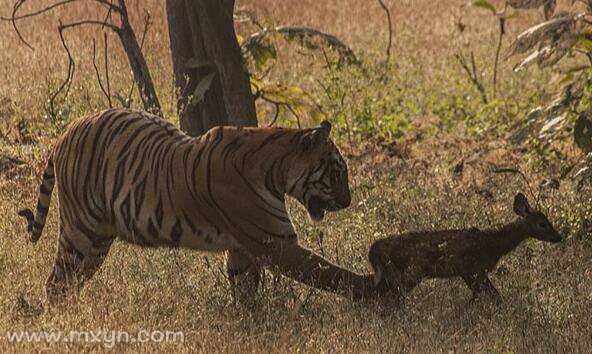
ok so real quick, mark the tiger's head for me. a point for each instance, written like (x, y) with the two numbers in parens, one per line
(318, 178)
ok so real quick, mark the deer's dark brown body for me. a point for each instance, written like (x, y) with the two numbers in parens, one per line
(401, 262)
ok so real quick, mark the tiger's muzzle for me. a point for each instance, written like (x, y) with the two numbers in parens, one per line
(317, 206)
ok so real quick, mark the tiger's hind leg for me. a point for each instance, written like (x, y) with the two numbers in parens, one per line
(77, 260)
(244, 274)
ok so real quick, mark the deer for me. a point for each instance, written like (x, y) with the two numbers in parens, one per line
(402, 262)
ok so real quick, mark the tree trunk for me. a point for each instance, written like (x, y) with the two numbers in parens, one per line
(203, 31)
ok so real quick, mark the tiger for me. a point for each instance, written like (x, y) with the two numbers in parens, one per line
(130, 175)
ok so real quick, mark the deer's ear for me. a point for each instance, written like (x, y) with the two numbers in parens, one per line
(316, 137)
(521, 205)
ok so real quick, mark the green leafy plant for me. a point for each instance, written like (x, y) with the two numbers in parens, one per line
(261, 50)
(564, 42)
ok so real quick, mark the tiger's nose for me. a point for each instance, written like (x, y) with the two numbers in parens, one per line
(345, 200)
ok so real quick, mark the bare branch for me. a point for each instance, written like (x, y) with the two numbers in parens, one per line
(147, 24)
(34, 13)
(524, 178)
(67, 82)
(473, 75)
(109, 4)
(17, 5)
(13, 18)
(108, 17)
(107, 71)
(390, 30)
(138, 63)
(275, 117)
(115, 29)
(295, 115)
(502, 31)
(278, 105)
(105, 91)
(127, 37)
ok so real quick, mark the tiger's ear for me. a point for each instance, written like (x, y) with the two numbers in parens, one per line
(316, 137)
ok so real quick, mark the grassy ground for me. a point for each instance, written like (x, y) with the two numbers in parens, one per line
(405, 129)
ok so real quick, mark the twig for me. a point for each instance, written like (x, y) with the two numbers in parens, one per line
(17, 5)
(502, 31)
(390, 30)
(107, 71)
(108, 17)
(128, 40)
(247, 16)
(13, 18)
(472, 74)
(332, 99)
(115, 29)
(277, 104)
(275, 117)
(34, 13)
(105, 91)
(69, 76)
(517, 171)
(295, 115)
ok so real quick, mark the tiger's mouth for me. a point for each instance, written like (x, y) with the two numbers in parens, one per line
(556, 238)
(316, 208)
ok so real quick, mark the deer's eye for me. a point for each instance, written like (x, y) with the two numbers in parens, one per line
(542, 225)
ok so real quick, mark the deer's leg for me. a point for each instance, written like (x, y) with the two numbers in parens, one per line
(480, 284)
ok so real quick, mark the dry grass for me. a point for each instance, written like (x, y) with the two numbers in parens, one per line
(547, 289)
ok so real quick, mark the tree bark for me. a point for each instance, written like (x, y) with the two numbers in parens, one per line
(203, 30)
(217, 25)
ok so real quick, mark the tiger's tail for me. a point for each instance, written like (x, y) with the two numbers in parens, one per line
(36, 223)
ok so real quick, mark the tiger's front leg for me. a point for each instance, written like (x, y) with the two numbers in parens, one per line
(244, 274)
(308, 267)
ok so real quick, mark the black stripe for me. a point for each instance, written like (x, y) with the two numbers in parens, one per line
(89, 233)
(47, 176)
(188, 221)
(176, 232)
(70, 248)
(263, 199)
(159, 212)
(138, 237)
(152, 230)
(270, 185)
(42, 209)
(139, 195)
(125, 210)
(267, 232)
